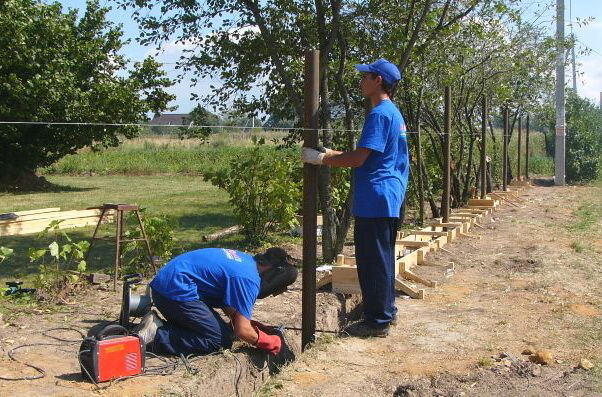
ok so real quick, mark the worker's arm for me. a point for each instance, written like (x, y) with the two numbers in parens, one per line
(252, 334)
(355, 158)
(242, 326)
(333, 158)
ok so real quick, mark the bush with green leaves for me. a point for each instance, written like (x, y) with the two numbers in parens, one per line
(5, 253)
(161, 235)
(62, 254)
(264, 188)
(583, 137)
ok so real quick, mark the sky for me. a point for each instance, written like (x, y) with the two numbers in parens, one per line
(589, 67)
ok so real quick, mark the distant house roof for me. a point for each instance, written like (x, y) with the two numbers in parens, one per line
(171, 119)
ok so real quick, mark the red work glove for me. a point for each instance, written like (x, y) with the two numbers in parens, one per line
(270, 343)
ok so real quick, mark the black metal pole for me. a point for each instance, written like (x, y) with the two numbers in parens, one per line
(520, 138)
(483, 148)
(310, 190)
(505, 151)
(527, 151)
(446, 156)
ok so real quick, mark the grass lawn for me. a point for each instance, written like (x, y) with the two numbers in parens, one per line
(198, 207)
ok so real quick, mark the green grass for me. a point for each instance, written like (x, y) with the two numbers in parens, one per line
(198, 207)
(588, 215)
(152, 155)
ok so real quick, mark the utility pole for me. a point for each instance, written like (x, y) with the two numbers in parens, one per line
(559, 162)
(505, 148)
(484, 117)
(445, 205)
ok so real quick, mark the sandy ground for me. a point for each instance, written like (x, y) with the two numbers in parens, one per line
(522, 284)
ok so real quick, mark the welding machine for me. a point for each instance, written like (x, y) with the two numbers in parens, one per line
(111, 354)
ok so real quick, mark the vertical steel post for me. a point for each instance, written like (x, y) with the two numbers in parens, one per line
(446, 156)
(484, 148)
(310, 192)
(505, 150)
(527, 151)
(520, 137)
(419, 163)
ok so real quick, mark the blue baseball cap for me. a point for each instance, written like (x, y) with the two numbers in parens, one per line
(385, 69)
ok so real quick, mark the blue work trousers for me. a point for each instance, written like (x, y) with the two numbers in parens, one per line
(375, 257)
(192, 328)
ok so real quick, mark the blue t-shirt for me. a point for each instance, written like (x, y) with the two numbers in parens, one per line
(380, 183)
(219, 277)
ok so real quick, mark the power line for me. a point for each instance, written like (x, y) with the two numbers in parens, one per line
(424, 132)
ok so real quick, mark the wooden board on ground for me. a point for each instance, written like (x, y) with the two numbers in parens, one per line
(31, 212)
(344, 280)
(483, 203)
(68, 219)
(51, 216)
(404, 287)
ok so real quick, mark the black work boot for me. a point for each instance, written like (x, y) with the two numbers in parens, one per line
(364, 329)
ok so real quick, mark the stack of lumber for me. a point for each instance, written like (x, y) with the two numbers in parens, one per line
(35, 221)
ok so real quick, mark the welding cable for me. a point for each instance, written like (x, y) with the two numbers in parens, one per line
(11, 355)
(45, 333)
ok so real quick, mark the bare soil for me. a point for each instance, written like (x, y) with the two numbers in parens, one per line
(50, 339)
(531, 280)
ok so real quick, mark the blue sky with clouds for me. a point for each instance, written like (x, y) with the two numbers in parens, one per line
(590, 36)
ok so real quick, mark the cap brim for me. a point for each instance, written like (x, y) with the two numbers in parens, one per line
(363, 68)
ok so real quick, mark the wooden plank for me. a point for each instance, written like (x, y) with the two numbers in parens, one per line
(429, 233)
(449, 225)
(467, 215)
(38, 211)
(36, 226)
(408, 290)
(344, 280)
(50, 216)
(441, 242)
(473, 210)
(406, 262)
(482, 202)
(415, 237)
(412, 244)
(325, 280)
(414, 277)
(421, 255)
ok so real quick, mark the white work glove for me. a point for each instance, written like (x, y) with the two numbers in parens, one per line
(312, 156)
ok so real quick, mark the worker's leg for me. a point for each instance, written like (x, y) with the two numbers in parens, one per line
(375, 258)
(192, 328)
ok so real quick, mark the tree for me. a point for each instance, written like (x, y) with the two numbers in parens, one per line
(583, 138)
(56, 68)
(260, 44)
(201, 119)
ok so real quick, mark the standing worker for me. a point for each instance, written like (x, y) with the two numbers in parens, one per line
(380, 177)
(188, 288)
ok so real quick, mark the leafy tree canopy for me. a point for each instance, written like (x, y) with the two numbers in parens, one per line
(58, 68)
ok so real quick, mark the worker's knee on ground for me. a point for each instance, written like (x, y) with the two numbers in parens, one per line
(274, 281)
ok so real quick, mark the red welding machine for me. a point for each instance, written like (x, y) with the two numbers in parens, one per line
(111, 354)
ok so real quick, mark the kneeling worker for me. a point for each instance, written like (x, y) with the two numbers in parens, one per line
(188, 288)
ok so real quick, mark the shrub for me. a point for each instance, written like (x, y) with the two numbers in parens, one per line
(162, 239)
(262, 189)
